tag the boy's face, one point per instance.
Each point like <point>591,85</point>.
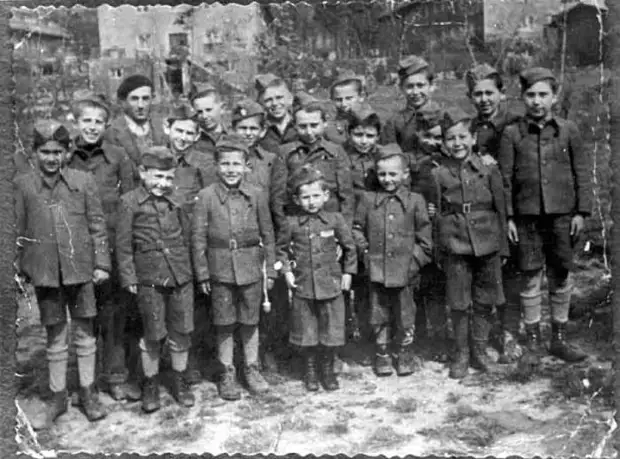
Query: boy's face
<point>459,141</point>
<point>310,126</point>
<point>231,167</point>
<point>486,97</point>
<point>345,96</point>
<point>251,129</point>
<point>182,134</point>
<point>158,182</point>
<point>418,89</point>
<point>138,103</point>
<point>392,173</point>
<point>431,139</point>
<point>539,100</point>
<point>363,138</point>
<point>51,156</point>
<point>277,101</point>
<point>312,197</point>
<point>91,124</point>
<point>209,111</point>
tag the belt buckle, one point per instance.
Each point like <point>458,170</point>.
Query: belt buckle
<point>466,207</point>
<point>232,244</point>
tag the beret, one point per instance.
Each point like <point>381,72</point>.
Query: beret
<point>86,95</point>
<point>180,112</point>
<point>345,76</point>
<point>411,65</point>
<point>50,129</point>
<point>303,176</point>
<point>531,76</point>
<point>200,89</point>
<point>246,108</point>
<point>454,115</point>
<point>388,151</point>
<point>132,83</point>
<point>303,100</point>
<point>265,80</point>
<point>478,73</point>
<point>232,142</point>
<point>361,112</point>
<point>158,157</point>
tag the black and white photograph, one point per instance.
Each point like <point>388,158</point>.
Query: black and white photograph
<point>333,228</point>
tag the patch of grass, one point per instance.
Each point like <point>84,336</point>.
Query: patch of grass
<point>405,405</point>
<point>384,437</point>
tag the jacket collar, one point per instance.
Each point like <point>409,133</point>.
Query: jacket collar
<point>64,175</point>
<point>305,218</point>
<point>84,154</point>
<point>401,195</point>
<point>352,152</point>
<point>473,161</point>
<point>273,126</point>
<point>223,191</point>
<point>529,123</point>
<point>213,136</point>
<point>139,130</point>
<point>143,195</point>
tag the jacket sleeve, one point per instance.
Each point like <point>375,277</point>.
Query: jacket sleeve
<point>97,226</point>
<point>20,224</point>
<point>499,202</point>
<point>278,192</point>
<point>359,225</point>
<point>581,161</point>
<point>266,233</point>
<point>345,239</point>
<point>506,161</point>
<point>124,244</point>
<point>345,186</point>
<point>128,174</point>
<point>283,241</point>
<point>200,227</point>
<point>423,249</point>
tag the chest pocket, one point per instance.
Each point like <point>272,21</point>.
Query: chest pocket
<point>75,203</point>
<point>328,242</point>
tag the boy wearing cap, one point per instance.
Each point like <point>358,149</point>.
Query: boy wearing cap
<point>62,250</point>
<point>276,98</point>
<point>307,247</point>
<point>547,177</point>
<point>152,245</point>
<point>114,175</point>
<point>346,92</point>
<point>393,233</point>
<point>248,121</point>
<point>135,130</point>
<point>470,221</point>
<point>416,81</point>
<point>232,234</point>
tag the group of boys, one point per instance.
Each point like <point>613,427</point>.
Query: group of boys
<point>139,227</point>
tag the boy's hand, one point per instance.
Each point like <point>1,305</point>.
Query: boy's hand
<point>133,289</point>
<point>338,252</point>
<point>513,234</point>
<point>488,160</point>
<point>290,280</point>
<point>345,283</point>
<point>205,287</point>
<point>100,276</point>
<point>432,209</point>
<point>270,282</point>
<point>576,226</point>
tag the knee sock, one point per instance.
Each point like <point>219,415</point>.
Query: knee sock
<point>249,337</point>
<point>225,345</point>
<point>150,357</point>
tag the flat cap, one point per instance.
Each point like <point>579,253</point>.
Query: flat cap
<point>180,112</point>
<point>200,89</point>
<point>478,73</point>
<point>131,83</point>
<point>246,108</point>
<point>531,76</point>
<point>454,115</point>
<point>303,100</point>
<point>411,65</point>
<point>86,95</point>
<point>346,76</point>
<point>263,81</point>
<point>360,113</point>
<point>303,176</point>
<point>158,157</point>
<point>388,150</point>
<point>50,129</point>
<point>232,142</point>
<point>428,116</point>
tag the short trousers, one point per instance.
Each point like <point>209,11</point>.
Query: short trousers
<point>392,306</point>
<point>232,304</point>
<point>472,279</point>
<point>166,308</point>
<point>53,302</point>
<point>545,239</point>
<point>315,322</point>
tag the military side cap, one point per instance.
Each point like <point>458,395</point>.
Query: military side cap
<point>158,157</point>
<point>478,73</point>
<point>180,112</point>
<point>531,76</point>
<point>86,95</point>
<point>388,150</point>
<point>453,116</point>
<point>303,176</point>
<point>304,100</point>
<point>266,80</point>
<point>411,65</point>
<point>429,116</point>
<point>232,142</point>
<point>361,112</point>
<point>199,90</point>
<point>246,108</point>
<point>131,83</point>
<point>49,129</point>
<point>346,76</point>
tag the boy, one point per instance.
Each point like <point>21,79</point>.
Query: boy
<point>485,89</point>
<point>208,105</point>
<point>248,121</point>
<point>311,240</point>
<point>470,221</point>
<point>114,175</point>
<point>394,233</point>
<point>277,100</point>
<point>547,175</point>
<point>345,92</point>
<point>232,236</point>
<point>416,81</point>
<point>62,250</point>
<point>152,245</point>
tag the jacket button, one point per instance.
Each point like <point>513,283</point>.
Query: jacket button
<point>391,216</point>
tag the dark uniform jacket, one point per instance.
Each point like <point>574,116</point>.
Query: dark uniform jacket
<point>311,241</point>
<point>61,228</point>
<point>205,146</point>
<point>402,128</point>
<point>546,170</point>
<point>363,172</point>
<point>188,178</point>
<point>489,131</point>
<point>118,133</point>
<point>471,210</point>
<point>336,130</point>
<point>325,156</point>
<point>273,139</point>
<point>260,163</point>
<point>394,232</point>
<point>422,181</point>
<point>152,240</point>
<point>232,234</point>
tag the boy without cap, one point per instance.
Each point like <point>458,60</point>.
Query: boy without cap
<point>346,92</point>
<point>152,246</point>
<point>547,177</point>
<point>232,235</point>
<point>276,98</point>
<point>62,250</point>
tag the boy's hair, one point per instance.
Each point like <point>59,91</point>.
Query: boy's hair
<point>529,77</point>
<point>483,72</point>
<point>306,175</point>
<point>363,115</point>
<point>412,65</point>
<point>83,99</point>
<point>266,81</point>
<point>181,112</point>
<point>345,78</point>
<point>230,143</point>
<point>201,90</point>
